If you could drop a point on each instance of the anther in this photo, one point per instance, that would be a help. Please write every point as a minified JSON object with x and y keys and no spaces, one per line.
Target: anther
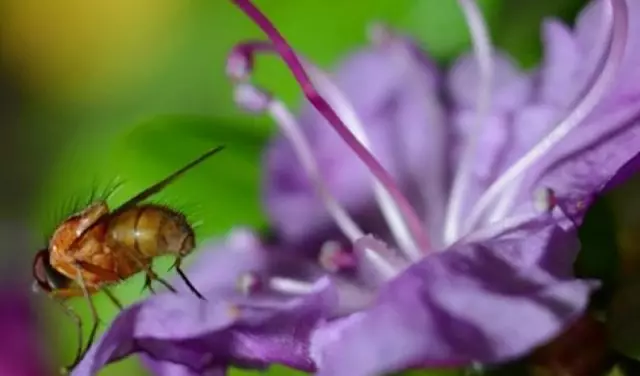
{"x":250,"y":98}
{"x":545,"y":200}
{"x":249,"y":283}
{"x":239,"y":65}
{"x":334,"y":258}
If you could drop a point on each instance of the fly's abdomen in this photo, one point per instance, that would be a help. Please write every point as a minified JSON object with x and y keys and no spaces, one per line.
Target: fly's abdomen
{"x":152,"y":230}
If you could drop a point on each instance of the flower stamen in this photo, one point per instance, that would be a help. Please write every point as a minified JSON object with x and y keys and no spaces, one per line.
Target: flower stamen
{"x":376,"y":257}
{"x":252,"y":283}
{"x":484,"y":55}
{"x":251,"y":98}
{"x":388,"y":207}
{"x":616,"y":16}
{"x":334,"y":258}
{"x":380,"y":173}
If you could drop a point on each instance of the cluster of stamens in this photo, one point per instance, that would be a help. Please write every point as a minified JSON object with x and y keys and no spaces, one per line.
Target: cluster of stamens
{"x":408,"y":231}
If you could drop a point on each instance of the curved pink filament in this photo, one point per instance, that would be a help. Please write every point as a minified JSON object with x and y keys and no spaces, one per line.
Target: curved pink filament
{"x":295,"y":66}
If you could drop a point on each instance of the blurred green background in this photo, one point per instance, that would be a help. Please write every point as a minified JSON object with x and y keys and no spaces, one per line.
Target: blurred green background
{"x":131,"y":90}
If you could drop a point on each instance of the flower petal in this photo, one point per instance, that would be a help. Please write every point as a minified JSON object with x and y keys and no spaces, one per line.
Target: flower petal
{"x":589,"y":158}
{"x":396,"y":99}
{"x":203,"y":335}
{"x":487,"y":302}
{"x":160,"y":368}
{"x":511,"y":88}
{"x":227,"y":328}
{"x":588,"y":25}
{"x":559,"y":80}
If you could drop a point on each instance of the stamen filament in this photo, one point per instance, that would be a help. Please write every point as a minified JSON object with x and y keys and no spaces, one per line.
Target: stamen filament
{"x":617,"y":15}
{"x":251,"y":283}
{"x":495,"y":230}
{"x":334,"y":258}
{"x":389,"y":209}
{"x":296,"y":68}
{"x":289,"y":286}
{"x":290,"y":127}
{"x":385,"y":268}
{"x":484,"y":57}
{"x":505,"y":202}
{"x":375,"y":254}
{"x":253,"y":99}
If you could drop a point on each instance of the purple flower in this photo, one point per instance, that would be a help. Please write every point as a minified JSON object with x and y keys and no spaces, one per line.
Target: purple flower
{"x":440,"y":208}
{"x":20,"y":352}
{"x":207,"y":336}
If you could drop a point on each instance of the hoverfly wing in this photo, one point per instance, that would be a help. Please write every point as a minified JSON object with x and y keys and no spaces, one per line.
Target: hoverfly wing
{"x":159,"y":186}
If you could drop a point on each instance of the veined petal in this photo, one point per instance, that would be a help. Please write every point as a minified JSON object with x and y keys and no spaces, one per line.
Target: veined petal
{"x":592,"y":139}
{"x":158,"y":368}
{"x":228,"y":328}
{"x":487,"y":302}
{"x":203,"y":335}
{"x":588,"y":160}
{"x":588,"y":24}
{"x":590,"y":157}
{"x":397,"y":103}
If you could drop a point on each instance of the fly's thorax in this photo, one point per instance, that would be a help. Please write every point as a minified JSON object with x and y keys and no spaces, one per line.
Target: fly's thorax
{"x":71,"y":243}
{"x":152,"y":230}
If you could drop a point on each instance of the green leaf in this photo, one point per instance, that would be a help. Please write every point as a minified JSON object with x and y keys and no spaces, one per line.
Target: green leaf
{"x":221,"y":193}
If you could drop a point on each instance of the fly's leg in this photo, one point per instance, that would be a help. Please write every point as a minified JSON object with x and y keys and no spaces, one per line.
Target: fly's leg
{"x":149,"y":272}
{"x":94,"y":317}
{"x":76,"y":319}
{"x":177,"y":265}
{"x":112,"y":298}
{"x":147,"y":284}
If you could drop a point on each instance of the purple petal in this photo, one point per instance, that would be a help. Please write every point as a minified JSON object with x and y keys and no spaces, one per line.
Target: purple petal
{"x":205,"y":335}
{"x":486,"y":302}
{"x":159,"y":368}
{"x":588,"y":25}
{"x":228,"y":328}
{"x":506,"y":132}
{"x":560,"y":82}
{"x":398,"y":106}
{"x":625,"y":173}
{"x":581,"y":164}
{"x":510,"y":87}
{"x":590,"y":158}
{"x":20,"y":354}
